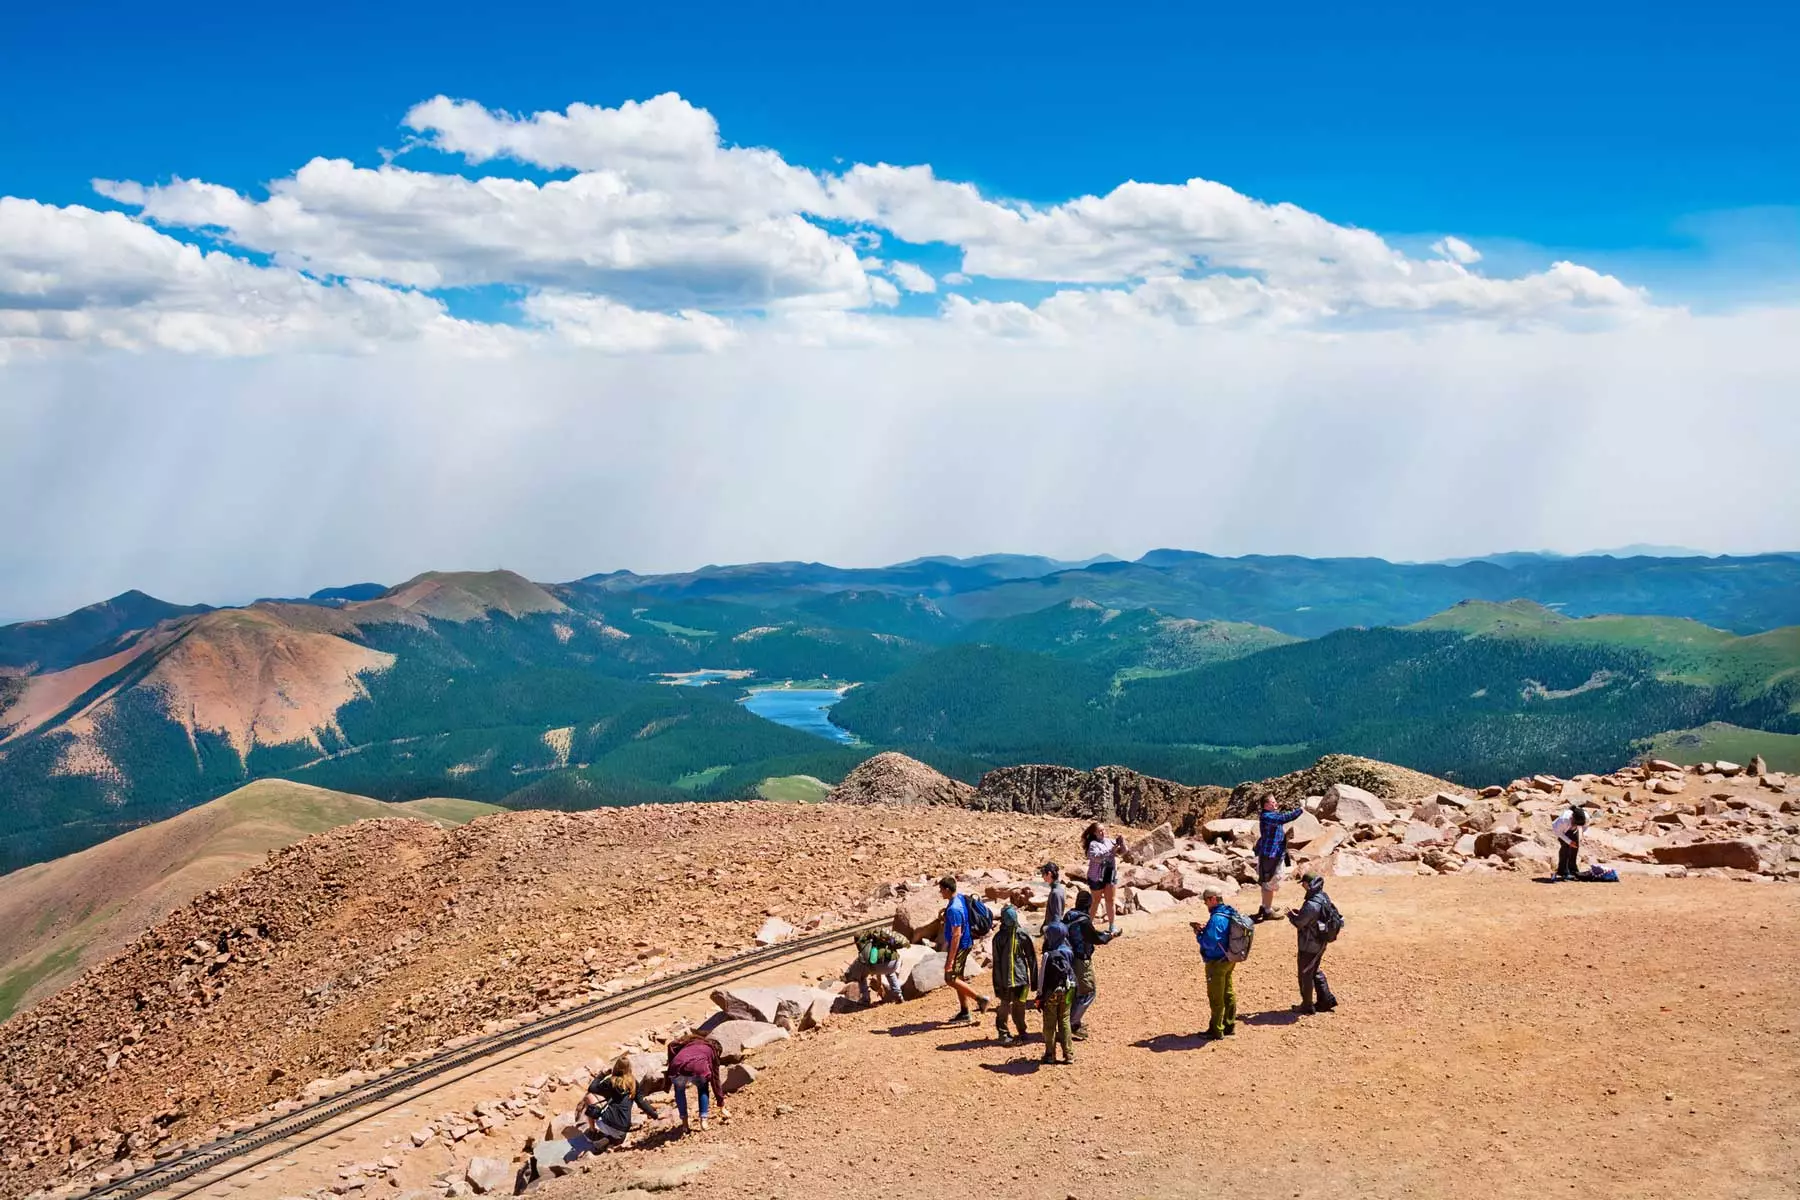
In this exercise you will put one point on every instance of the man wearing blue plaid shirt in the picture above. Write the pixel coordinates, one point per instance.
(1271, 854)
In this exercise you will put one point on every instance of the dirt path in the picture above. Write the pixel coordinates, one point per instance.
(1497, 1038)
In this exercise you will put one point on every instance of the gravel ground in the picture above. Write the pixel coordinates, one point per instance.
(1498, 1037)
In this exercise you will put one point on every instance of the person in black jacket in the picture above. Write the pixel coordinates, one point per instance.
(1312, 922)
(1015, 975)
(1057, 979)
(1084, 935)
(606, 1110)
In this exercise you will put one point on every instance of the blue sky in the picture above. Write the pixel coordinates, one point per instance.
(1609, 128)
(654, 287)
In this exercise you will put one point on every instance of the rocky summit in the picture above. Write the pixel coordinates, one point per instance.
(893, 778)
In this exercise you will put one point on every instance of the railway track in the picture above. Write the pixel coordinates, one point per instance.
(206, 1159)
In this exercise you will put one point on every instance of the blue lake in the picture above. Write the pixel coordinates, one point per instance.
(800, 708)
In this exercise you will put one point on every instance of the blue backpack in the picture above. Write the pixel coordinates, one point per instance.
(981, 917)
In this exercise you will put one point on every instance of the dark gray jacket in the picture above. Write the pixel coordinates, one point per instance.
(1306, 918)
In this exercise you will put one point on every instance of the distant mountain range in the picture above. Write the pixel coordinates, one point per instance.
(490, 687)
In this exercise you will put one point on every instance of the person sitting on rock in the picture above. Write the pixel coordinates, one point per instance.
(606, 1111)
(1015, 975)
(1083, 938)
(878, 958)
(1271, 853)
(959, 940)
(694, 1060)
(1316, 923)
(1057, 977)
(1567, 828)
(1103, 869)
(1057, 902)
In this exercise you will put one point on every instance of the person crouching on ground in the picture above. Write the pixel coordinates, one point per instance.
(1057, 978)
(607, 1108)
(1103, 869)
(1083, 937)
(878, 958)
(959, 940)
(1567, 827)
(1271, 854)
(1214, 935)
(694, 1060)
(1015, 975)
(1316, 923)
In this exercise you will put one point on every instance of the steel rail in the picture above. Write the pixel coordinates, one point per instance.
(204, 1158)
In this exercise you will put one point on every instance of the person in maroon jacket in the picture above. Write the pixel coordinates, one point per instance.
(695, 1059)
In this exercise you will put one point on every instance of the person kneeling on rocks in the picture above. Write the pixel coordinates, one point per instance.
(1084, 935)
(1058, 980)
(606, 1110)
(1317, 924)
(694, 1060)
(1015, 975)
(878, 958)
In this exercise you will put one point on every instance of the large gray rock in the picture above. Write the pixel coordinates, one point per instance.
(1153, 900)
(490, 1175)
(1350, 805)
(1741, 854)
(793, 1006)
(1304, 830)
(740, 1038)
(920, 916)
(1158, 843)
(1230, 829)
(737, 1077)
(927, 975)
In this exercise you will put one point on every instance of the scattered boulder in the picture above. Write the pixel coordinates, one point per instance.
(920, 916)
(774, 930)
(1728, 769)
(1158, 843)
(740, 1038)
(1758, 765)
(1154, 900)
(927, 975)
(1230, 829)
(1304, 829)
(1742, 855)
(737, 1077)
(1351, 805)
(490, 1175)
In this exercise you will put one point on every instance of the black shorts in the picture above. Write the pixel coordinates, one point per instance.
(1270, 870)
(1109, 875)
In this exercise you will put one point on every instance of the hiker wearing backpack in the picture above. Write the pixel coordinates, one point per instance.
(1057, 998)
(1224, 938)
(1317, 924)
(1015, 975)
(1271, 853)
(1057, 902)
(965, 919)
(878, 958)
(1083, 937)
(1567, 827)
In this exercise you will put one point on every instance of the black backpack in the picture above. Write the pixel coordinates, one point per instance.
(1331, 921)
(981, 917)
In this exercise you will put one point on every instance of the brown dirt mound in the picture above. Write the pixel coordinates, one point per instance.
(891, 778)
(354, 947)
(1383, 779)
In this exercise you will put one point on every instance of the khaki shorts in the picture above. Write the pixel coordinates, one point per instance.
(958, 964)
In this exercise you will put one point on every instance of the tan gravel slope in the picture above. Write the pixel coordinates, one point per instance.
(356, 946)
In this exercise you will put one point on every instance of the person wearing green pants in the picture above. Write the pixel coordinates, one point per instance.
(1213, 936)
(1058, 996)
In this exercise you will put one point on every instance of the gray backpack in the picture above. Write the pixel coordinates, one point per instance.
(1240, 931)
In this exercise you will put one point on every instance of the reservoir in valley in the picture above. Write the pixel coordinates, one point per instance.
(804, 709)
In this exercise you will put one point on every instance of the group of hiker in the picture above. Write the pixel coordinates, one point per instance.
(1054, 975)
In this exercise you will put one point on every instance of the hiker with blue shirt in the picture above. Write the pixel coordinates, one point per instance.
(959, 940)
(1271, 854)
(1215, 938)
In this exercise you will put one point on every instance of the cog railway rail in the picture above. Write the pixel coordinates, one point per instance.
(282, 1131)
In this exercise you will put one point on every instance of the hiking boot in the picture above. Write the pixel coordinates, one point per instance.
(961, 1018)
(1048, 1060)
(1230, 1030)
(1068, 1060)
(704, 1125)
(1080, 1035)
(1307, 1010)
(1327, 1005)
(983, 1003)
(1004, 1038)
